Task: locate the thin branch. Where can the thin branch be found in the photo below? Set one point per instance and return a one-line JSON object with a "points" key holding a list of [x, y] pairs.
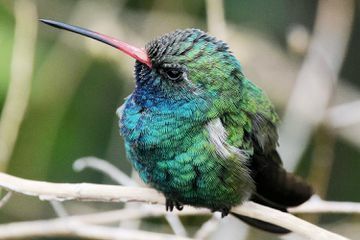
{"points": [[104, 167], [344, 115], [5, 199], [109, 193], [317, 77], [81, 191], [59, 209], [64, 227], [124, 215], [317, 205], [176, 224], [121, 178], [208, 227], [21, 74], [215, 17], [286, 220]]}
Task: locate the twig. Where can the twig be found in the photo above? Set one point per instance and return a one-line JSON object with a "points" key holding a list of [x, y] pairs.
{"points": [[208, 227], [124, 215], [59, 209], [81, 191], [317, 205], [104, 167], [121, 178], [344, 115], [20, 83], [64, 227], [109, 193], [285, 220], [176, 224], [116, 175], [5, 199], [317, 77], [215, 17]]}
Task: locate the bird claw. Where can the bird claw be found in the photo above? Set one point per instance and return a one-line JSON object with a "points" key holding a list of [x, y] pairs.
{"points": [[170, 204], [224, 211], [179, 206]]}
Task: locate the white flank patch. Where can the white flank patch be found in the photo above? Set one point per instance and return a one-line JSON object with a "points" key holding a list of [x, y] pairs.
{"points": [[119, 113], [218, 136]]}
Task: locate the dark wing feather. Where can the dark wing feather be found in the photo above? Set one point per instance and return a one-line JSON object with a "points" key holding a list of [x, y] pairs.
{"points": [[275, 187]]}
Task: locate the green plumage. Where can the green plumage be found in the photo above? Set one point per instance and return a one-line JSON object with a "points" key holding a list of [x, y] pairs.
{"points": [[195, 127], [198, 130]]}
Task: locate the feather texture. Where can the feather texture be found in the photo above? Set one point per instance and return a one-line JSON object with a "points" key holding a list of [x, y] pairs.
{"points": [[198, 130]]}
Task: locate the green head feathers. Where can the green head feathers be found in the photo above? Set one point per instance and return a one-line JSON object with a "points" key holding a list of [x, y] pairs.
{"points": [[189, 62]]}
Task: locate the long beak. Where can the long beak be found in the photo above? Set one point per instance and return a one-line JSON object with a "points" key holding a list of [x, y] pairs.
{"points": [[137, 53]]}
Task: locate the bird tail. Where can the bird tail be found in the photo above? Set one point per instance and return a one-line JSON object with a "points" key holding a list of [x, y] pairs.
{"points": [[265, 226], [275, 188]]}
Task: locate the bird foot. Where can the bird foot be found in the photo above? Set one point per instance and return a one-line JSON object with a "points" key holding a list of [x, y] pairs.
{"points": [[170, 204], [224, 211]]}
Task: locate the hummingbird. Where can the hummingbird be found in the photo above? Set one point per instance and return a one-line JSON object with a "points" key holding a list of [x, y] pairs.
{"points": [[198, 130]]}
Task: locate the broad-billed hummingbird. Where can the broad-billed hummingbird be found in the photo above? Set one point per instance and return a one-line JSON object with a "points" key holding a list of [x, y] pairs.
{"points": [[199, 131]]}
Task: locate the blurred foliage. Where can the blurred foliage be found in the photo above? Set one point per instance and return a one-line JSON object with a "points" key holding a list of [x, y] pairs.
{"points": [[75, 94]]}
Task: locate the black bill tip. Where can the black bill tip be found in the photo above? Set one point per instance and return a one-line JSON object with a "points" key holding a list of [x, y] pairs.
{"points": [[52, 23], [67, 27]]}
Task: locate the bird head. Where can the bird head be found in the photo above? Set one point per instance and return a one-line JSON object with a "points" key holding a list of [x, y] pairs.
{"points": [[188, 63]]}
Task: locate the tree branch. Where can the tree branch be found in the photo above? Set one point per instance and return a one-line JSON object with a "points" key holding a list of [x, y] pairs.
{"points": [[317, 77], [5, 199], [20, 83], [120, 177], [110, 193], [317, 205], [67, 227]]}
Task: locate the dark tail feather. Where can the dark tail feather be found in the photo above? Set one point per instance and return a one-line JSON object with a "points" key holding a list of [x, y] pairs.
{"points": [[276, 185], [275, 188], [262, 225]]}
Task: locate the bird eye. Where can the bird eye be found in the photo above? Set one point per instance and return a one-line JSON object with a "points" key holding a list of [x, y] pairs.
{"points": [[173, 74]]}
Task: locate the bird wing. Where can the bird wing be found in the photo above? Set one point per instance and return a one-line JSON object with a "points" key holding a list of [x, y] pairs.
{"points": [[273, 183], [275, 187], [262, 117]]}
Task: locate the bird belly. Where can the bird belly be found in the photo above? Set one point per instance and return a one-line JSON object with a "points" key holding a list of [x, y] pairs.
{"points": [[196, 178], [179, 160]]}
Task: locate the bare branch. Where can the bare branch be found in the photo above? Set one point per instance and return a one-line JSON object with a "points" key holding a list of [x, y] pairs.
{"points": [[59, 209], [317, 205], [344, 115], [286, 220], [5, 199], [21, 74], [126, 214], [66, 227], [208, 227], [317, 77], [104, 167], [121, 178], [26, 228], [80, 191], [109, 193], [215, 17]]}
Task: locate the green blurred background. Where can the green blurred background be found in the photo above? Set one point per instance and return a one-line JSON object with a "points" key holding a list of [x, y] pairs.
{"points": [[77, 85]]}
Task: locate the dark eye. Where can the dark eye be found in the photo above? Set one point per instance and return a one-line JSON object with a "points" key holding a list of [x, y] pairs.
{"points": [[173, 74]]}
